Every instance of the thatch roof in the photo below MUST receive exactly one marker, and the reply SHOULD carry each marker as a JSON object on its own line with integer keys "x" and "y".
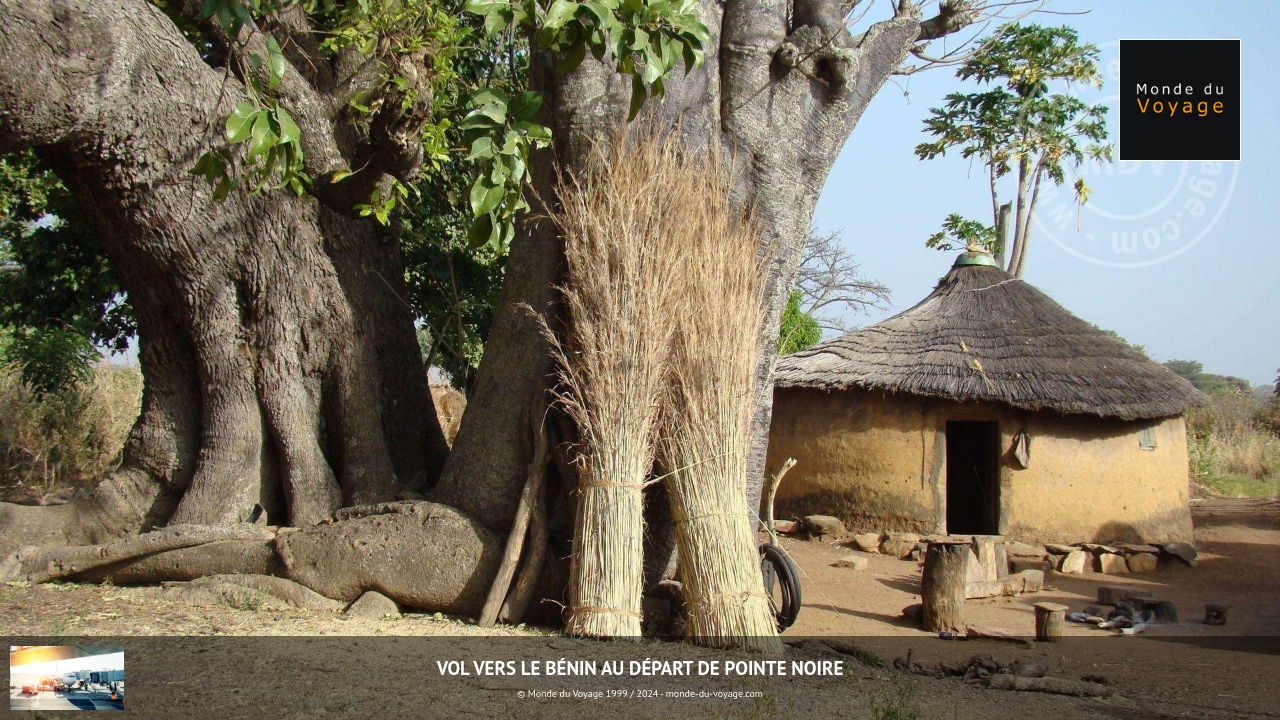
{"x": 982, "y": 335}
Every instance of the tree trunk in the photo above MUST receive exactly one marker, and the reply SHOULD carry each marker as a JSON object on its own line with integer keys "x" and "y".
{"x": 779, "y": 93}
{"x": 280, "y": 367}
{"x": 942, "y": 589}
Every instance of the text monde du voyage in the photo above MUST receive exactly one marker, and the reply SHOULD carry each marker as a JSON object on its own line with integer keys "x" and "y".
{"x": 1180, "y": 99}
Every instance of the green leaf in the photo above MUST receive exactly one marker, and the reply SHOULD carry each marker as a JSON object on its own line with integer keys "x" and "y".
{"x": 480, "y": 230}
{"x": 573, "y": 57}
{"x": 484, "y": 196}
{"x": 526, "y": 104}
{"x": 261, "y": 137}
{"x": 340, "y": 175}
{"x": 637, "y": 97}
{"x": 240, "y": 121}
{"x": 560, "y": 12}
{"x": 275, "y": 62}
{"x": 482, "y": 148}
{"x": 289, "y": 132}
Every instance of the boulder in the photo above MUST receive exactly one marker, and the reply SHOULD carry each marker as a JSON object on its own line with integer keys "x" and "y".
{"x": 1111, "y": 564}
{"x": 786, "y": 527}
{"x": 822, "y": 526}
{"x": 867, "y": 542}
{"x": 372, "y": 605}
{"x": 1059, "y": 549}
{"x": 1142, "y": 562}
{"x": 1186, "y": 552}
{"x": 1032, "y": 580}
{"x": 853, "y": 562}
{"x": 1073, "y": 563}
{"x": 897, "y": 548}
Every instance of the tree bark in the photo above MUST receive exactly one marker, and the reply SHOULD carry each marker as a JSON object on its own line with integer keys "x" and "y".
{"x": 778, "y": 94}
{"x": 280, "y": 365}
{"x": 942, "y": 589}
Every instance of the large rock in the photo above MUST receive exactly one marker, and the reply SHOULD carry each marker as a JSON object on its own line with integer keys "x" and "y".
{"x": 1186, "y": 552}
{"x": 372, "y": 605}
{"x": 823, "y": 526}
{"x": 1142, "y": 562}
{"x": 867, "y": 542}
{"x": 1059, "y": 549}
{"x": 1110, "y": 564}
{"x": 1073, "y": 563}
{"x": 853, "y": 562}
{"x": 897, "y": 548}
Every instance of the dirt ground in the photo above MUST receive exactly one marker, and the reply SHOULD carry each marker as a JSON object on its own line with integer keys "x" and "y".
{"x": 1186, "y": 669}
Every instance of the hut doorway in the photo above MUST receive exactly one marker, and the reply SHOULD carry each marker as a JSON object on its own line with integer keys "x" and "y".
{"x": 973, "y": 473}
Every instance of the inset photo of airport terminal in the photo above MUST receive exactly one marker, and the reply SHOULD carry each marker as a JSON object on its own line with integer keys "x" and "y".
{"x": 66, "y": 677}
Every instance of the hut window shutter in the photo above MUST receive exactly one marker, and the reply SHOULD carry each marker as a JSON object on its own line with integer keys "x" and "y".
{"x": 1147, "y": 438}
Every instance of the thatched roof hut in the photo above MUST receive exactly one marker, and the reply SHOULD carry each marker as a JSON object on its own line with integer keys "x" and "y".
{"x": 888, "y": 417}
{"x": 984, "y": 336}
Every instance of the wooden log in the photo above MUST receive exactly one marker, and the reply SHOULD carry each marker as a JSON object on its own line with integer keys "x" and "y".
{"x": 530, "y": 572}
{"x": 1049, "y": 621}
{"x": 943, "y": 587}
{"x": 520, "y": 526}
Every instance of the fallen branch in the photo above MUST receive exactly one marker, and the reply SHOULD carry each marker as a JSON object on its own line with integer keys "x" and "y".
{"x": 520, "y": 526}
{"x": 530, "y": 573}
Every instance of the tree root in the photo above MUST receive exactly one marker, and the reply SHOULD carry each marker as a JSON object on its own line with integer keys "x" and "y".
{"x": 43, "y": 563}
{"x": 420, "y": 554}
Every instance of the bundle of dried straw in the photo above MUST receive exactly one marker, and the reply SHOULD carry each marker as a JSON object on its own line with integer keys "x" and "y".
{"x": 706, "y": 418}
{"x": 664, "y": 307}
{"x": 613, "y": 218}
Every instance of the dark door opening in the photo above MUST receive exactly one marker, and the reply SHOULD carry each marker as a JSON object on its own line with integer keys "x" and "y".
{"x": 973, "y": 478}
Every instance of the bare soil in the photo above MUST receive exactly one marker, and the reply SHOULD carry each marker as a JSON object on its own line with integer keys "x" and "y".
{"x": 1185, "y": 669}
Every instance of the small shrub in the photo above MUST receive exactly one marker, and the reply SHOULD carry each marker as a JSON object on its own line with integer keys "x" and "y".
{"x": 1233, "y": 445}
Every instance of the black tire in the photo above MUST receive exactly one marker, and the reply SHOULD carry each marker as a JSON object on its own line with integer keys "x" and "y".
{"x": 778, "y": 568}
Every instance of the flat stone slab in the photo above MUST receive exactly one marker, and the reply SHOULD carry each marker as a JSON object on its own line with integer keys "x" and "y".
{"x": 853, "y": 562}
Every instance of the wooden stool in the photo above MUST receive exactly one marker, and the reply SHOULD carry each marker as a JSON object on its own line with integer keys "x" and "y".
{"x": 1049, "y": 619}
{"x": 942, "y": 587}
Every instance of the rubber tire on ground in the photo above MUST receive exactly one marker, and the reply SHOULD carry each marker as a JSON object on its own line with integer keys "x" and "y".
{"x": 776, "y": 565}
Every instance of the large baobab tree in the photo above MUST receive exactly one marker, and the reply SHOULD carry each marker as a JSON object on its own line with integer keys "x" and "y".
{"x": 282, "y": 374}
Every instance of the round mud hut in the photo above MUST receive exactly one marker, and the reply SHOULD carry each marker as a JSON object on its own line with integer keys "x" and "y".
{"x": 985, "y": 409}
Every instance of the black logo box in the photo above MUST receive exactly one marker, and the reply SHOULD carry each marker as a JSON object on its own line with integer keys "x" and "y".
{"x": 1180, "y": 66}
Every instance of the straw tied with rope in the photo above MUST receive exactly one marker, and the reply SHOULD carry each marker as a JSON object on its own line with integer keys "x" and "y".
{"x": 662, "y": 304}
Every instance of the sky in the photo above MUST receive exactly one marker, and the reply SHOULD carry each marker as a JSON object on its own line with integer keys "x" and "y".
{"x": 113, "y": 661}
{"x": 1205, "y": 288}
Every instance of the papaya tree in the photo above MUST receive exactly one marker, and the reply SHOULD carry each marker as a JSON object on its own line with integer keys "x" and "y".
{"x": 1020, "y": 128}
